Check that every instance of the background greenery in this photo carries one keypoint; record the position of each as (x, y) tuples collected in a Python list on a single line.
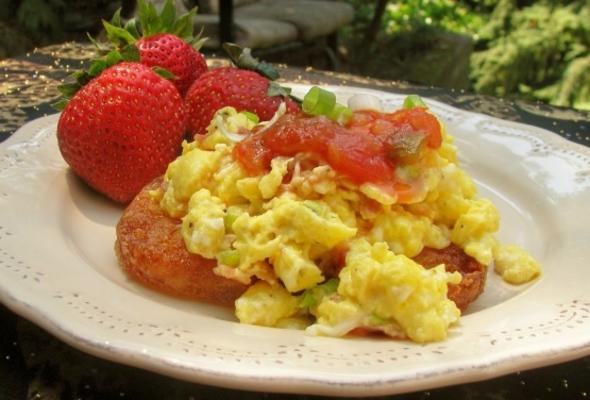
[(536, 50), (25, 24)]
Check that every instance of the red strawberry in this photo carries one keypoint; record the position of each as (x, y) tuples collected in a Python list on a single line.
[(174, 54), (122, 129), (242, 89)]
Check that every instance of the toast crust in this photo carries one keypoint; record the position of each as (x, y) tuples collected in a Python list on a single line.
[(151, 250)]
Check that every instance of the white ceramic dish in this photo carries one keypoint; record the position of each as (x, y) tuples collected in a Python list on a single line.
[(58, 269)]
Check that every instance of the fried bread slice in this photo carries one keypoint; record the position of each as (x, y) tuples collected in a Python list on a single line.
[(151, 250)]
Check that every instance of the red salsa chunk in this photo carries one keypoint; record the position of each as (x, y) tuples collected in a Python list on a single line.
[(367, 149)]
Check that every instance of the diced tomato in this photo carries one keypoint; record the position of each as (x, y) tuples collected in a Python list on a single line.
[(362, 150), (362, 118), (295, 134), (253, 155), (360, 157), (422, 121)]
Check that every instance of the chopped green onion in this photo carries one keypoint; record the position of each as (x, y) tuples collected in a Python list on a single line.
[(413, 101), (376, 320), (318, 101), (230, 217), (251, 116), (313, 296), (322, 102), (231, 258), (331, 285), (340, 114), (307, 299)]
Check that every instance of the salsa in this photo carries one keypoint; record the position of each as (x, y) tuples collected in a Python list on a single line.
[(366, 150)]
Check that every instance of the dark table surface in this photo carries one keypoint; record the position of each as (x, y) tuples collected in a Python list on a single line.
[(35, 365)]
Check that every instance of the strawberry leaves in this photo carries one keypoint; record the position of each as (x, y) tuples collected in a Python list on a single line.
[(150, 22), (130, 53), (80, 78), (164, 73), (117, 35), (274, 89), (243, 58)]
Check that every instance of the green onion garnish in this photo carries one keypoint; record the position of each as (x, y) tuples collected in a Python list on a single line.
[(230, 217), (318, 101), (413, 101), (340, 114), (231, 258), (322, 102), (310, 298), (251, 116)]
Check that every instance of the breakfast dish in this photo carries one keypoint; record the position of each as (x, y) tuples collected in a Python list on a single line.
[(349, 216), (367, 225), (60, 271)]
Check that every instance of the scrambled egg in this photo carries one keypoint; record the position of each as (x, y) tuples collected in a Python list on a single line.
[(514, 264), (278, 230), (394, 289)]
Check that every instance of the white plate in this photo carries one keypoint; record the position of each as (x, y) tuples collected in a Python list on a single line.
[(58, 269)]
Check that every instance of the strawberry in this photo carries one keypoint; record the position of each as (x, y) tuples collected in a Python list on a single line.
[(244, 89), (120, 130), (174, 54), (163, 41)]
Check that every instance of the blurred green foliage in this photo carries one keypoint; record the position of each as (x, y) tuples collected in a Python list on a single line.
[(41, 19), (541, 51), (537, 50), (410, 15), (413, 36), (444, 14), (28, 23)]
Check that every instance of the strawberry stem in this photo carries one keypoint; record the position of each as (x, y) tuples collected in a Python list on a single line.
[(117, 35), (151, 23), (80, 78), (243, 58)]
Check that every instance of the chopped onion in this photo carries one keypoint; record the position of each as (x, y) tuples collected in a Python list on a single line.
[(234, 137), (365, 102), (280, 112)]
